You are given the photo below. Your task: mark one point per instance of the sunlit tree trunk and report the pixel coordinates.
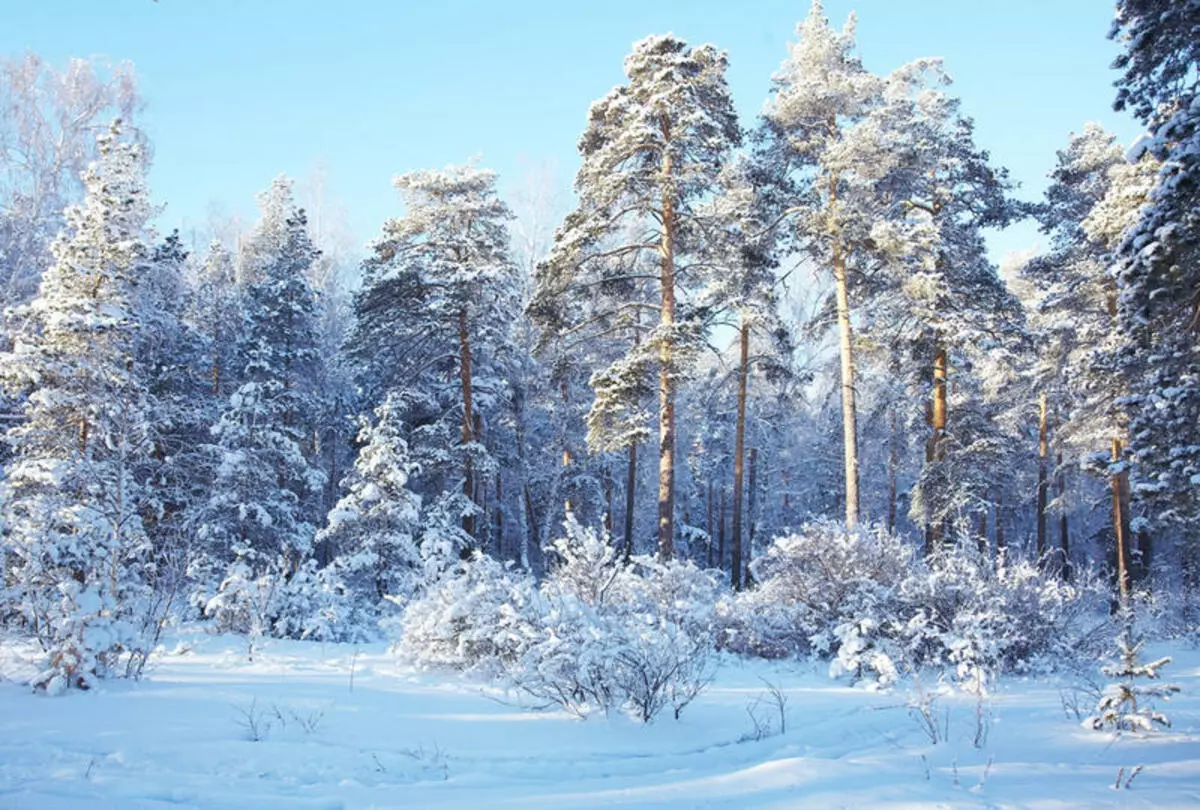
(1043, 486)
(1120, 510)
(846, 350)
(735, 567)
(666, 376)
(468, 421)
(935, 450)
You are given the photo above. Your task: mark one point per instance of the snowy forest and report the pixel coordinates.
(757, 393)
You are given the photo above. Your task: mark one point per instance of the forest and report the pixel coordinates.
(760, 392)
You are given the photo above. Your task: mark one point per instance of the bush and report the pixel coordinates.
(864, 599)
(810, 583)
(476, 617)
(598, 634)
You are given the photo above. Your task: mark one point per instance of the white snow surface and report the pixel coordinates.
(345, 726)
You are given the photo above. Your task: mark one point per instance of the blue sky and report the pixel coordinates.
(241, 90)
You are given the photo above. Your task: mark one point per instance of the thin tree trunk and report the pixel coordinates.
(1064, 535)
(1043, 485)
(468, 422)
(721, 532)
(1120, 506)
(983, 533)
(630, 487)
(1000, 543)
(735, 568)
(752, 511)
(935, 450)
(499, 515)
(712, 530)
(608, 500)
(666, 377)
(566, 448)
(893, 467)
(849, 411)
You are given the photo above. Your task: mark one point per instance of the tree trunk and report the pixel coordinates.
(1061, 485)
(935, 451)
(1120, 506)
(564, 392)
(666, 358)
(752, 503)
(608, 500)
(499, 515)
(893, 468)
(1001, 545)
(712, 529)
(630, 486)
(739, 445)
(1000, 542)
(721, 532)
(1043, 486)
(468, 422)
(849, 411)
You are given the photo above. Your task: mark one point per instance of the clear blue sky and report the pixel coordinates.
(241, 90)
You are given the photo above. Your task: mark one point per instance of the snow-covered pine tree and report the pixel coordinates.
(216, 315)
(939, 298)
(259, 522)
(77, 556)
(433, 320)
(1094, 197)
(652, 151)
(818, 145)
(372, 530)
(1158, 266)
(742, 285)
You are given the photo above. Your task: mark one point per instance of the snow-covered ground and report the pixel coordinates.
(347, 727)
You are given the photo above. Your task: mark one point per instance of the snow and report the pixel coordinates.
(344, 726)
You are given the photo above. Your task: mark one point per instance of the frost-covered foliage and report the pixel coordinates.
(371, 529)
(1127, 704)
(810, 583)
(475, 618)
(260, 513)
(76, 555)
(598, 634)
(865, 599)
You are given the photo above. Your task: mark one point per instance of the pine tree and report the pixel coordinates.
(432, 327)
(77, 552)
(1094, 198)
(652, 151)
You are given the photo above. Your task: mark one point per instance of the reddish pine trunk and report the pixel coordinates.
(735, 568)
(468, 422)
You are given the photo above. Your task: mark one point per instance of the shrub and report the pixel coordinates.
(475, 617)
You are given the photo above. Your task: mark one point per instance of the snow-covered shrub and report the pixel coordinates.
(970, 612)
(658, 664)
(475, 617)
(811, 582)
(598, 634)
(862, 648)
(245, 599)
(569, 659)
(611, 634)
(866, 600)
(315, 603)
